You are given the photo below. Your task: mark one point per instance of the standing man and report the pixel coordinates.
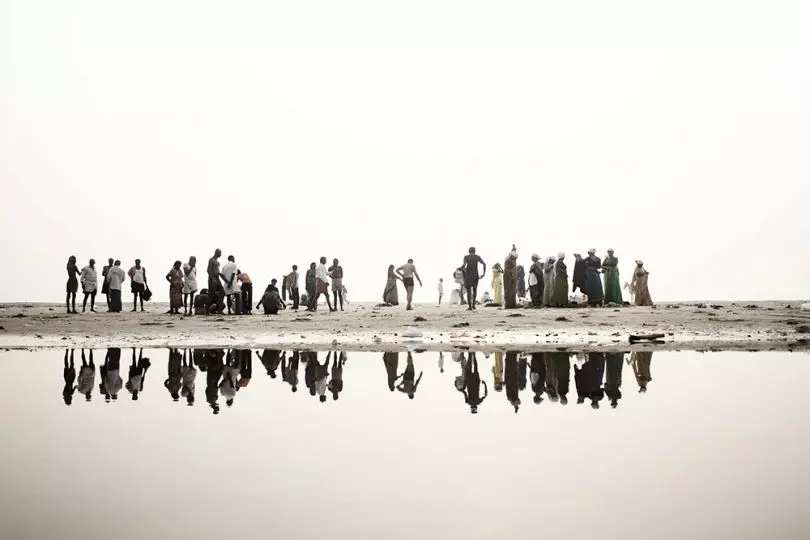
(441, 290)
(247, 292)
(471, 277)
(321, 286)
(407, 272)
(336, 273)
(115, 278)
(138, 276)
(292, 278)
(214, 284)
(231, 283)
(105, 286)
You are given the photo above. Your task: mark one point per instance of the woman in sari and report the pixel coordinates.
(593, 284)
(548, 279)
(613, 288)
(390, 294)
(189, 285)
(497, 284)
(639, 285)
(72, 283)
(510, 280)
(560, 293)
(175, 279)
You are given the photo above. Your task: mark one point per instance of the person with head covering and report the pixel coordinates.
(613, 287)
(497, 284)
(521, 287)
(390, 293)
(510, 280)
(471, 386)
(639, 285)
(559, 296)
(537, 376)
(511, 379)
(310, 282)
(190, 286)
(593, 284)
(578, 280)
(536, 281)
(175, 279)
(458, 277)
(72, 283)
(548, 278)
(89, 281)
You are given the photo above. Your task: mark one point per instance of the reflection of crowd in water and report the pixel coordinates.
(597, 376)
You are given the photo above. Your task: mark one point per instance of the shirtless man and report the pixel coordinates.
(214, 283)
(407, 272)
(471, 277)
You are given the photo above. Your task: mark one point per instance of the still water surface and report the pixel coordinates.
(717, 447)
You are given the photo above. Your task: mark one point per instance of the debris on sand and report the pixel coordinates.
(384, 304)
(804, 307)
(752, 306)
(700, 306)
(20, 316)
(562, 319)
(2, 328)
(716, 306)
(516, 315)
(461, 325)
(419, 319)
(803, 329)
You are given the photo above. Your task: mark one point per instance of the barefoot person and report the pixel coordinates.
(292, 279)
(137, 276)
(89, 281)
(233, 292)
(72, 283)
(214, 283)
(115, 279)
(390, 293)
(407, 272)
(105, 285)
(471, 276)
(336, 273)
(321, 287)
(175, 279)
(189, 285)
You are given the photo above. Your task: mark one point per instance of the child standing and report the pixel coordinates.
(441, 290)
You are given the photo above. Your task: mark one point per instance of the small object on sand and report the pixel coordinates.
(645, 337)
(562, 319)
(803, 329)
(516, 315)
(461, 325)
(384, 304)
(3, 328)
(419, 319)
(752, 306)
(716, 306)
(19, 316)
(700, 306)
(804, 307)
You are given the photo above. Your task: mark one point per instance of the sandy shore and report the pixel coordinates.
(694, 326)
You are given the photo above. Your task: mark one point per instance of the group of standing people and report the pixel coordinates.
(113, 277)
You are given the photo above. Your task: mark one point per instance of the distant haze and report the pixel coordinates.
(678, 133)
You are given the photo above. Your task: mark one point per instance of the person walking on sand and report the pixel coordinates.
(292, 279)
(175, 279)
(246, 284)
(471, 277)
(321, 286)
(407, 272)
(190, 286)
(510, 279)
(441, 290)
(639, 285)
(115, 280)
(336, 273)
(137, 276)
(89, 281)
(72, 283)
(105, 285)
(232, 290)
(214, 283)
(593, 265)
(613, 286)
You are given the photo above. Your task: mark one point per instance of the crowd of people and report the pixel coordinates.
(597, 376)
(230, 288)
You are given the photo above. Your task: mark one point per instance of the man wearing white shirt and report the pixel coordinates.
(321, 286)
(232, 288)
(115, 278)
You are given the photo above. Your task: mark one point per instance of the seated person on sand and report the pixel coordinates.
(271, 300)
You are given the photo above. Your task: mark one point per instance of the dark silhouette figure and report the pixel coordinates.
(111, 382)
(321, 376)
(175, 380)
(87, 377)
(336, 383)
(472, 385)
(290, 373)
(511, 379)
(271, 360)
(408, 384)
(215, 368)
(137, 374)
(70, 377)
(537, 374)
(189, 377)
(589, 379)
(391, 361)
(309, 371)
(552, 388)
(562, 370)
(613, 377)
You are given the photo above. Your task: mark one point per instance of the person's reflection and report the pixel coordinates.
(189, 375)
(321, 375)
(497, 372)
(613, 377)
(537, 375)
(461, 380)
(245, 368)
(408, 384)
(511, 379)
(441, 362)
(642, 360)
(271, 360)
(309, 372)
(87, 377)
(336, 383)
(552, 388)
(175, 380)
(230, 378)
(391, 361)
(137, 374)
(588, 379)
(562, 370)
(69, 374)
(472, 384)
(290, 373)
(111, 381)
(215, 368)
(523, 366)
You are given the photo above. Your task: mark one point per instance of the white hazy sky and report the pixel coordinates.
(676, 132)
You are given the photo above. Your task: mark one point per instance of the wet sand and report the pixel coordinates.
(687, 326)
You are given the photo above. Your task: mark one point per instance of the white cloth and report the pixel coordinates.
(322, 273)
(116, 277)
(86, 380)
(229, 270)
(89, 279)
(532, 279)
(190, 279)
(138, 275)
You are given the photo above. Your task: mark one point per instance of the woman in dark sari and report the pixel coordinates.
(175, 279)
(593, 285)
(578, 279)
(510, 280)
(72, 283)
(390, 294)
(559, 297)
(613, 288)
